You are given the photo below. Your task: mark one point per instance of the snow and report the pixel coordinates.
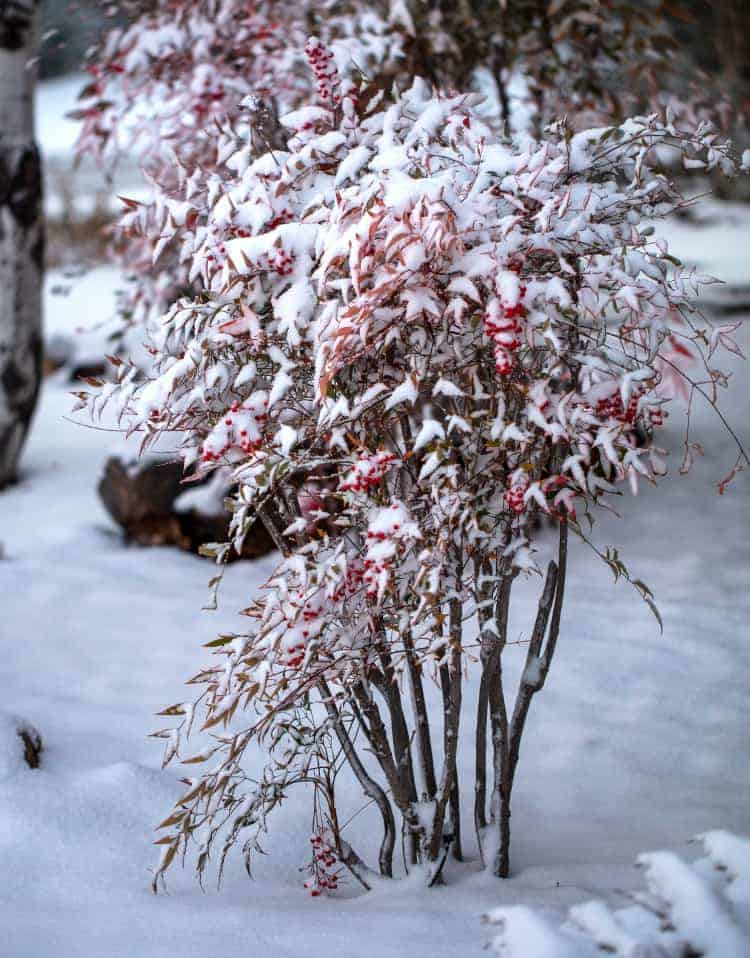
(81, 190)
(55, 132)
(207, 499)
(733, 854)
(637, 741)
(528, 933)
(690, 908)
(696, 909)
(75, 333)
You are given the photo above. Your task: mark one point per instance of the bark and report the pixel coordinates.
(447, 794)
(391, 692)
(491, 701)
(538, 661)
(480, 763)
(421, 722)
(514, 730)
(401, 788)
(387, 683)
(452, 695)
(21, 234)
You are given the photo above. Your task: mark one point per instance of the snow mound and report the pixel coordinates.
(15, 733)
(699, 908)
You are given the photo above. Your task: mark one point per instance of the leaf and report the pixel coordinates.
(643, 588)
(178, 709)
(197, 759)
(652, 605)
(174, 819)
(217, 643)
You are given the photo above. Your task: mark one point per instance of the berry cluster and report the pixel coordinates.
(284, 216)
(325, 876)
(216, 257)
(324, 70)
(612, 407)
(353, 578)
(279, 262)
(207, 89)
(373, 569)
(503, 327)
(657, 416)
(310, 612)
(240, 428)
(382, 546)
(366, 472)
(296, 655)
(304, 620)
(558, 490)
(516, 492)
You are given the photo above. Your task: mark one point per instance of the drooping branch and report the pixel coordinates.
(369, 786)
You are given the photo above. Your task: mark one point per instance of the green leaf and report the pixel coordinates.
(217, 643)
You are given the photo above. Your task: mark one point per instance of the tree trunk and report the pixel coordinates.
(21, 233)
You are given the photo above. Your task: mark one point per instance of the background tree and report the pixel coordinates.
(69, 29)
(21, 232)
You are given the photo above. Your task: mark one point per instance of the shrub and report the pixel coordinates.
(412, 338)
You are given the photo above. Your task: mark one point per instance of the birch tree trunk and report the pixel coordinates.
(21, 233)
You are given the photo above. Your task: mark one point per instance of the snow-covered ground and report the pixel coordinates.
(639, 741)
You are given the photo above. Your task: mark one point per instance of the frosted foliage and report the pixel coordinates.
(412, 339)
(697, 909)
(174, 85)
(167, 88)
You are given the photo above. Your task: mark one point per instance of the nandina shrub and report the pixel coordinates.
(413, 339)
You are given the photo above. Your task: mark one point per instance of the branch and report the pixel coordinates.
(421, 720)
(369, 786)
(531, 680)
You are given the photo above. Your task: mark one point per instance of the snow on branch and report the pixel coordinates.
(689, 909)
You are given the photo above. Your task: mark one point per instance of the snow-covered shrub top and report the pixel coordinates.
(509, 301)
(412, 337)
(701, 908)
(163, 83)
(166, 89)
